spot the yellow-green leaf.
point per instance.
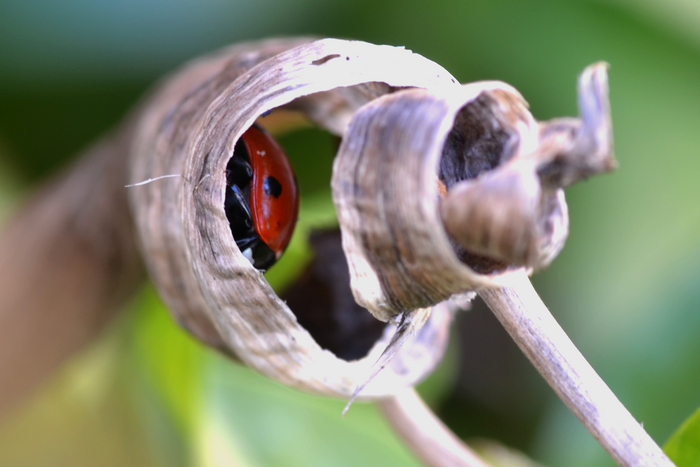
(684, 445)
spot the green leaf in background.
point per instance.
(499, 455)
(684, 446)
(226, 414)
(10, 185)
(266, 424)
(90, 413)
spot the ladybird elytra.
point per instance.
(262, 197)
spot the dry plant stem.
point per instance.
(539, 336)
(425, 434)
(68, 261)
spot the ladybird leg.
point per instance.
(237, 212)
(241, 222)
(248, 242)
(263, 256)
(238, 172)
(248, 253)
(257, 252)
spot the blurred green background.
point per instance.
(625, 288)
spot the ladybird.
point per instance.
(262, 197)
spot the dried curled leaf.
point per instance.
(210, 286)
(416, 145)
(474, 159)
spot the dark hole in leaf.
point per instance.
(324, 305)
(473, 146)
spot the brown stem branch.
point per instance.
(539, 336)
(425, 434)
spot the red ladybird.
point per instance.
(262, 197)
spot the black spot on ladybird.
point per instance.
(272, 186)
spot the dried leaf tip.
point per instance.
(408, 324)
(504, 210)
(580, 148)
(516, 212)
